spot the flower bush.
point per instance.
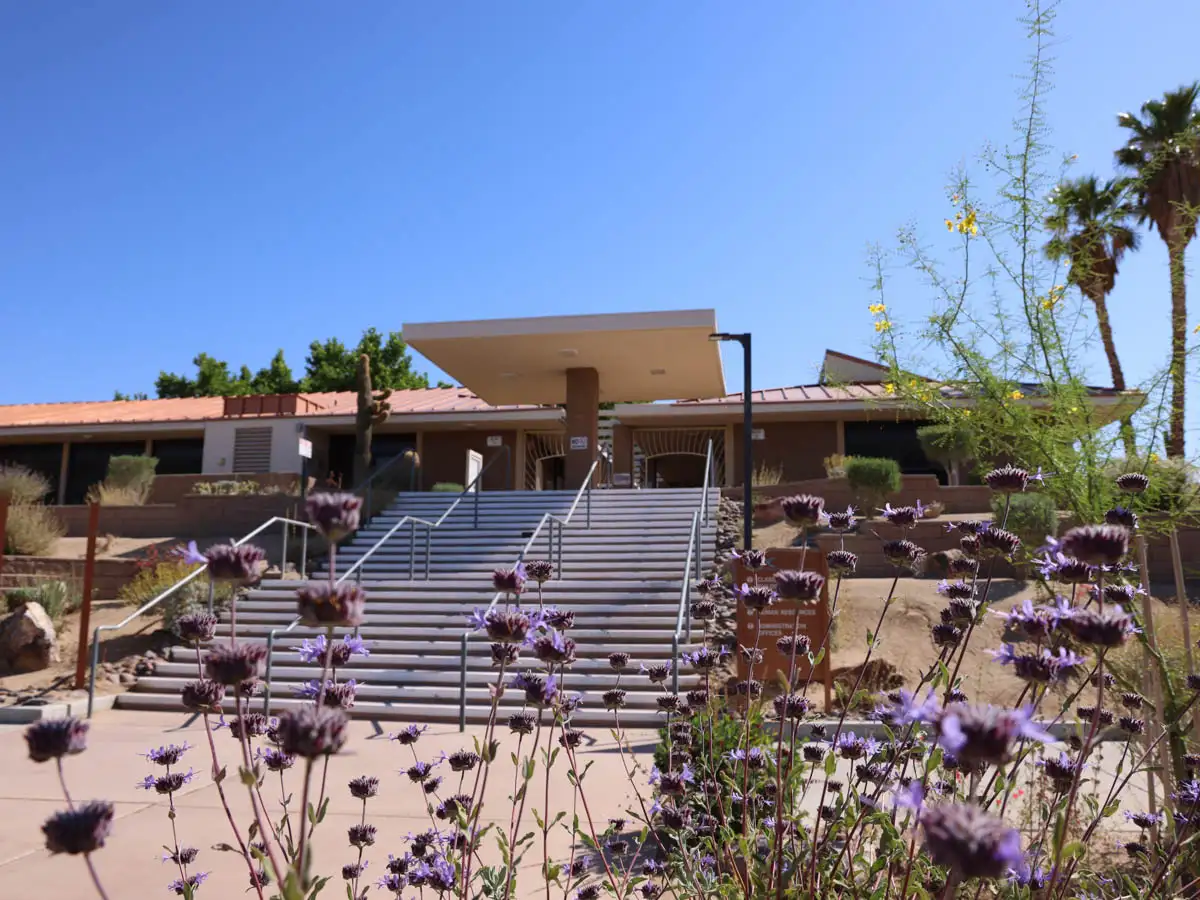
(750, 793)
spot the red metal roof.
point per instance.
(803, 393)
(201, 409)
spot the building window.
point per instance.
(45, 459)
(179, 456)
(251, 451)
(384, 447)
(88, 464)
(892, 440)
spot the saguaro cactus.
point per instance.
(373, 410)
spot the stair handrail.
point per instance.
(365, 487)
(683, 616)
(159, 598)
(554, 520)
(356, 568)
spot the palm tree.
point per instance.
(1163, 155)
(1090, 229)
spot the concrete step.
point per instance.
(370, 632)
(593, 715)
(582, 587)
(443, 606)
(438, 654)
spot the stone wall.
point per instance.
(192, 516)
(969, 499)
(172, 488)
(111, 574)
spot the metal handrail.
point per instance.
(356, 568)
(683, 616)
(553, 519)
(150, 604)
(366, 487)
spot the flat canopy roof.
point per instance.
(638, 356)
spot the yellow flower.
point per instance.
(883, 325)
(1049, 303)
(967, 413)
(1017, 395)
(1196, 330)
(949, 225)
(1153, 457)
(877, 308)
(968, 225)
(889, 388)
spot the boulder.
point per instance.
(27, 640)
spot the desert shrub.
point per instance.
(766, 474)
(22, 485)
(32, 530)
(231, 488)
(57, 598)
(1174, 489)
(1031, 517)
(159, 575)
(948, 445)
(447, 487)
(835, 466)
(129, 481)
(933, 510)
(874, 478)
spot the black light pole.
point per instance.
(747, 437)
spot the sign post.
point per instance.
(85, 613)
(766, 628)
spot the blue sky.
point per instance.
(234, 178)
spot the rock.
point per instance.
(150, 654)
(113, 679)
(127, 678)
(143, 667)
(27, 639)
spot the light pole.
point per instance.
(747, 436)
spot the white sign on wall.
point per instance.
(758, 434)
(305, 448)
(495, 440)
(579, 442)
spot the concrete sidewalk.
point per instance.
(131, 866)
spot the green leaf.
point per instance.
(247, 777)
(220, 776)
(317, 886)
(830, 763)
(324, 809)
(1073, 850)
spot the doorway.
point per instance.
(551, 473)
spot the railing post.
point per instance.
(475, 508)
(304, 553)
(675, 664)
(428, 549)
(95, 665)
(412, 550)
(462, 683)
(699, 544)
(211, 595)
(589, 503)
(267, 676)
(283, 559)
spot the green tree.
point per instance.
(138, 395)
(1089, 227)
(212, 380)
(1163, 154)
(276, 378)
(332, 366)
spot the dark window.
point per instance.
(45, 459)
(384, 447)
(892, 440)
(179, 456)
(88, 464)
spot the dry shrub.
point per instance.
(766, 475)
(117, 494)
(32, 530)
(22, 485)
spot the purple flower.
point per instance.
(166, 784)
(191, 555)
(1096, 545)
(196, 628)
(50, 739)
(168, 755)
(83, 829)
(970, 841)
(510, 581)
(334, 515)
(756, 598)
(902, 516)
(1144, 819)
(842, 521)
(552, 647)
(1043, 667)
(409, 734)
(320, 604)
(540, 690)
(312, 651)
(907, 709)
(752, 560)
(956, 590)
(231, 664)
(184, 886)
(986, 734)
(910, 796)
(539, 570)
(802, 510)
(1007, 479)
(657, 673)
(1133, 482)
(803, 586)
(240, 564)
(1108, 628)
(275, 760)
(841, 562)
(311, 731)
(202, 696)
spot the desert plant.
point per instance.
(22, 485)
(1174, 491)
(873, 478)
(373, 409)
(129, 481)
(933, 510)
(1031, 516)
(947, 445)
(447, 487)
(231, 488)
(835, 466)
(766, 475)
(32, 530)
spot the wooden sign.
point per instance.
(767, 627)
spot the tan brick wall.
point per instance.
(171, 488)
(799, 447)
(191, 517)
(111, 574)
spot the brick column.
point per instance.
(583, 423)
(622, 456)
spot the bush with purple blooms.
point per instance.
(750, 792)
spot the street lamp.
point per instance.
(747, 437)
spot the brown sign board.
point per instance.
(766, 628)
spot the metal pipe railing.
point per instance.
(694, 558)
(357, 568)
(555, 522)
(153, 602)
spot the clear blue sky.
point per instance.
(238, 177)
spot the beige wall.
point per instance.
(444, 457)
(799, 447)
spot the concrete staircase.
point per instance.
(621, 576)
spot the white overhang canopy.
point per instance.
(638, 356)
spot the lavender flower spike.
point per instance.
(191, 555)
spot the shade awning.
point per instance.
(639, 356)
